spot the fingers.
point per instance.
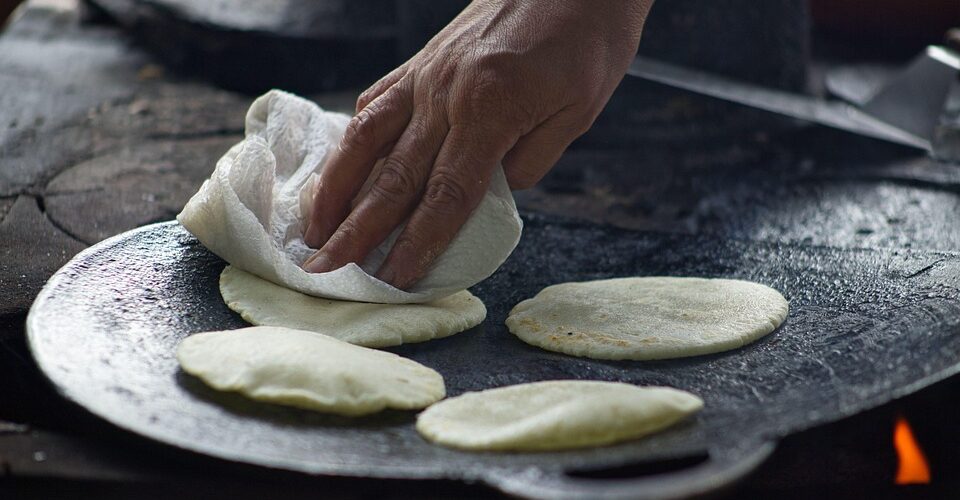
(380, 87)
(373, 129)
(537, 152)
(456, 186)
(390, 199)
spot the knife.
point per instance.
(904, 111)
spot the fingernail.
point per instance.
(319, 263)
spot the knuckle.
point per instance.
(495, 96)
(497, 66)
(486, 84)
(443, 73)
(379, 88)
(447, 194)
(360, 133)
(396, 181)
(362, 101)
(484, 90)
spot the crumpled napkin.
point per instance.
(251, 212)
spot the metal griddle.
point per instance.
(865, 327)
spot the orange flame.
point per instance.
(913, 468)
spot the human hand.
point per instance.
(507, 81)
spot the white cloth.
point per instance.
(251, 212)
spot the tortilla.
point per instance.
(648, 318)
(308, 370)
(261, 302)
(554, 415)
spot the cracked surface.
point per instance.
(51, 76)
(94, 140)
(32, 249)
(128, 188)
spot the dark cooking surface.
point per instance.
(98, 138)
(865, 326)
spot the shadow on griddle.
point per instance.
(238, 405)
(641, 469)
(465, 361)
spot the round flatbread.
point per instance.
(261, 302)
(554, 415)
(308, 370)
(648, 318)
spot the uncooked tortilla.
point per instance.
(261, 302)
(253, 209)
(648, 318)
(308, 370)
(554, 415)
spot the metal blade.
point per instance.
(913, 100)
(830, 113)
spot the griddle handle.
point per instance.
(721, 470)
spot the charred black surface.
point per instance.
(865, 327)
